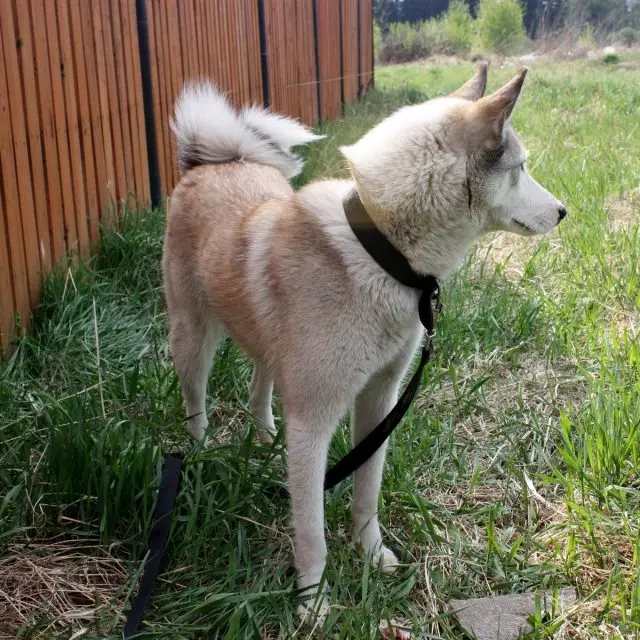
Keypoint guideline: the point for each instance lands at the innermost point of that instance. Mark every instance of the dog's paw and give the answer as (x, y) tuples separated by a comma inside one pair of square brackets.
[(267, 435), (198, 431), (314, 610), (385, 559)]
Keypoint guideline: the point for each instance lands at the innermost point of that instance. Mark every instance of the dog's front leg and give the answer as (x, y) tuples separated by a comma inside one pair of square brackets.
[(372, 405), (307, 445)]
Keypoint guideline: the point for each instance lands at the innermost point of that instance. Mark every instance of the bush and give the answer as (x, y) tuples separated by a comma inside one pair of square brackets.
[(611, 57), (458, 27), (587, 39), (452, 33), (431, 33), (404, 42), (500, 25), (377, 40), (628, 36)]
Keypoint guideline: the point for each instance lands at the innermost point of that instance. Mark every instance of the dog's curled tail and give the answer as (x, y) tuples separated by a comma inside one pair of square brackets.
[(209, 130)]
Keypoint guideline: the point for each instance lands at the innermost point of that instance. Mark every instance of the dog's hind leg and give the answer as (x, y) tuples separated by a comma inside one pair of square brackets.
[(194, 338), (260, 394), (372, 405)]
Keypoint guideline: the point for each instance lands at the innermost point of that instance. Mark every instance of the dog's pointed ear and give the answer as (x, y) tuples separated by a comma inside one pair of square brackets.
[(490, 114), (474, 88)]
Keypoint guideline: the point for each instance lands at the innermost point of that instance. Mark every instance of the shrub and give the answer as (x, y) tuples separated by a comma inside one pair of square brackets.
[(377, 40), (500, 25), (404, 42), (458, 27), (611, 57), (628, 36), (587, 38), (431, 33)]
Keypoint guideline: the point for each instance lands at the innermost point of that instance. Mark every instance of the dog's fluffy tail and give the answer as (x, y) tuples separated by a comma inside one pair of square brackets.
[(209, 130)]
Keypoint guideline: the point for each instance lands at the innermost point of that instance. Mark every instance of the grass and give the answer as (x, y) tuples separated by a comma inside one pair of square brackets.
[(517, 468)]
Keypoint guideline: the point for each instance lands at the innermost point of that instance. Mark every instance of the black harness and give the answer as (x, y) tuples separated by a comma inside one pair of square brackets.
[(397, 266)]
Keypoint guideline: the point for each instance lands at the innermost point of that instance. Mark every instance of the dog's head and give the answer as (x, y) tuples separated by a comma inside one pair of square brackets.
[(452, 162)]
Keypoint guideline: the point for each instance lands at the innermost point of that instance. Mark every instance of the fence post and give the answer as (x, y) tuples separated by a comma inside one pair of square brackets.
[(341, 58), (147, 99), (314, 5), (372, 80), (264, 55)]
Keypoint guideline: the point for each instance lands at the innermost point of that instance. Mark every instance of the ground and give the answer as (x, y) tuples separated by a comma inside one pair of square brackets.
[(517, 468)]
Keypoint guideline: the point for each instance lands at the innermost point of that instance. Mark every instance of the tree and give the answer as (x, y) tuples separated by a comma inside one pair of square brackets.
[(417, 10), (600, 14), (500, 25), (385, 12)]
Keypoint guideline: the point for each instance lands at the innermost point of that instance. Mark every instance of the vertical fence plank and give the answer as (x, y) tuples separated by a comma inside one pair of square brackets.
[(141, 140), (73, 130), (112, 169), (223, 21), (307, 72), (329, 58), (55, 203), (238, 41), (7, 299), (60, 125), (28, 74), (133, 97), (201, 24), (252, 39), (85, 124), (366, 44), (11, 199), (121, 174), (121, 91), (157, 78), (177, 65), (350, 50), (103, 154), (22, 170)]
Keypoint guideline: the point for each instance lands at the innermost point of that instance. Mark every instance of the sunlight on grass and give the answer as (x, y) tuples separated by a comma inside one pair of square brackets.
[(517, 469)]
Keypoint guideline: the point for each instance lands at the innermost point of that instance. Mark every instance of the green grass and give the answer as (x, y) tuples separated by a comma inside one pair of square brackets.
[(518, 467)]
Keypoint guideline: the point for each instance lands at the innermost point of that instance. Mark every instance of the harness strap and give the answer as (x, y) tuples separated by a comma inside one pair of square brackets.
[(396, 265)]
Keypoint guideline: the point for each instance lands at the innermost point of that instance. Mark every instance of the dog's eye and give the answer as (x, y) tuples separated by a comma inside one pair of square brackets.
[(522, 167)]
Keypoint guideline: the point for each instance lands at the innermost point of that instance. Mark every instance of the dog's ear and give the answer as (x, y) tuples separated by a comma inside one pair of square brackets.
[(474, 88), (489, 115)]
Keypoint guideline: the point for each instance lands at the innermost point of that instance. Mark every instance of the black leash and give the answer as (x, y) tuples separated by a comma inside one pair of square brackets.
[(159, 533), (375, 439), (396, 265)]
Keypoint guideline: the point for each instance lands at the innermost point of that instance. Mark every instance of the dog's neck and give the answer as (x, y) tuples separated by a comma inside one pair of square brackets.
[(431, 246)]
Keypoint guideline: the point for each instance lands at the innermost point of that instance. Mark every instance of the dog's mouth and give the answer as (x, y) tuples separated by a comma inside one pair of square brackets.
[(524, 226)]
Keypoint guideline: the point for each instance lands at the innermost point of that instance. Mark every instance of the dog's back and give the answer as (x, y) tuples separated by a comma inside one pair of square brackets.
[(232, 164)]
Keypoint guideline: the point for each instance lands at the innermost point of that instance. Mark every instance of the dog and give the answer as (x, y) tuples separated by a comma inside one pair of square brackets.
[(284, 275)]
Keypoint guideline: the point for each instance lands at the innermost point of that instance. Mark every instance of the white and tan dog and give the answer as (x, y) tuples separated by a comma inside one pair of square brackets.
[(285, 276)]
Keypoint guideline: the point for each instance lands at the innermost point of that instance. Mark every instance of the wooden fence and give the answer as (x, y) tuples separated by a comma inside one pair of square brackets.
[(74, 142)]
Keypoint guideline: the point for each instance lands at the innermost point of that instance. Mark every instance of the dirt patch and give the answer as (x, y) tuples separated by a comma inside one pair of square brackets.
[(567, 544), (54, 586), (623, 212), (510, 253)]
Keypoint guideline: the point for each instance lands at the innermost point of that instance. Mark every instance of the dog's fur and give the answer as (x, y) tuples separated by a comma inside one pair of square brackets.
[(284, 275)]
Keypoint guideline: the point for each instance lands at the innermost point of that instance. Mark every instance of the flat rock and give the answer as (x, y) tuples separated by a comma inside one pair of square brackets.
[(505, 617)]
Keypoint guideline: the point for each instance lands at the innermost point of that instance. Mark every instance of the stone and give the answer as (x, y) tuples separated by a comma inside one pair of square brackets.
[(505, 617)]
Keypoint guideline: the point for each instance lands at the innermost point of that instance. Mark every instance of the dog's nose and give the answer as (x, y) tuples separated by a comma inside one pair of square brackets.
[(562, 212)]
